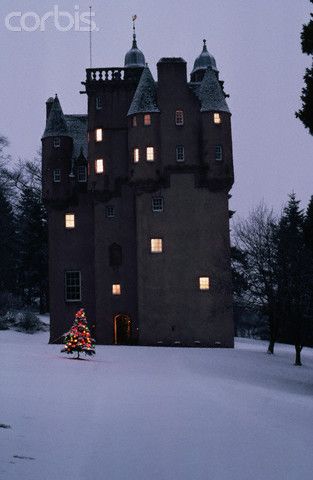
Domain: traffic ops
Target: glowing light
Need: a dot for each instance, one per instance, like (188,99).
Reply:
(69,220)
(156,245)
(99,165)
(99,135)
(136,155)
(150,154)
(204,283)
(116,289)
(147,119)
(217,118)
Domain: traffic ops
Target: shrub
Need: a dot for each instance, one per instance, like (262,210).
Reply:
(28,322)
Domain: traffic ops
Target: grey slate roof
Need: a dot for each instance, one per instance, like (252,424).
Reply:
(77,129)
(134,58)
(204,60)
(210,93)
(145,98)
(56,125)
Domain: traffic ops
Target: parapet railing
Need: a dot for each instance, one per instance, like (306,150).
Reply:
(105,74)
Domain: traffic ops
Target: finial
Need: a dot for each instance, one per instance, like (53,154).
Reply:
(134,18)
(204,45)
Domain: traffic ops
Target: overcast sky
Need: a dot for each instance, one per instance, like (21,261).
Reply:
(256,45)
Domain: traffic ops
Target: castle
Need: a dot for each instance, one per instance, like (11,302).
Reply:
(137,197)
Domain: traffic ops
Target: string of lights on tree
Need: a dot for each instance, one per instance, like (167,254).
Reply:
(78,339)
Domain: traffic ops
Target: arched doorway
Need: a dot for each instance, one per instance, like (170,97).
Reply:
(122,329)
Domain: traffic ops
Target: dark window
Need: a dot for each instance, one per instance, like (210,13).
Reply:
(57,175)
(110,211)
(218,153)
(157,204)
(115,255)
(180,153)
(98,103)
(57,142)
(179,117)
(82,173)
(135,121)
(73,286)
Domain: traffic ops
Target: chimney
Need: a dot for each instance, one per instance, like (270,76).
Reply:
(172,71)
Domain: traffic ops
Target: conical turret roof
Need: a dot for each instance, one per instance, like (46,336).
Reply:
(204,60)
(56,123)
(145,98)
(211,94)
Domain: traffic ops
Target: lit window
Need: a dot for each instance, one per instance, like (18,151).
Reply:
(116,289)
(57,142)
(157,204)
(179,117)
(150,154)
(156,245)
(218,153)
(217,118)
(134,121)
(204,283)
(69,220)
(82,173)
(99,165)
(98,103)
(109,211)
(180,153)
(136,155)
(99,135)
(147,119)
(73,286)
(56,175)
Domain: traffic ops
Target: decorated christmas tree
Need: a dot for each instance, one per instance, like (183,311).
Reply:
(78,339)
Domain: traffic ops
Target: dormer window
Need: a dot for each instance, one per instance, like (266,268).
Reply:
(150,154)
(134,121)
(136,155)
(218,153)
(147,119)
(57,142)
(99,165)
(179,117)
(98,103)
(99,135)
(57,175)
(217,118)
(82,173)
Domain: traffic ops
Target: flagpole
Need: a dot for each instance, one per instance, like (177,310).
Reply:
(90,38)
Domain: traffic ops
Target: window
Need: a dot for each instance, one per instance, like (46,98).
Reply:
(134,121)
(217,118)
(156,245)
(180,153)
(99,135)
(157,204)
(115,255)
(69,220)
(204,283)
(136,155)
(98,103)
(179,117)
(82,173)
(218,153)
(147,119)
(110,211)
(56,175)
(72,286)
(150,154)
(99,166)
(116,289)
(57,142)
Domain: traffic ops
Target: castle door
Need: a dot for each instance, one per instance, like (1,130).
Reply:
(122,326)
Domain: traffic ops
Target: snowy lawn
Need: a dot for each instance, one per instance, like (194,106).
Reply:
(154,413)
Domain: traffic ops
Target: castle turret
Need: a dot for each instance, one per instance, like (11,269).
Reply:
(216,132)
(144,125)
(57,147)
(202,62)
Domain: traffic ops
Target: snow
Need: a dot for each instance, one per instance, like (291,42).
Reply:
(154,413)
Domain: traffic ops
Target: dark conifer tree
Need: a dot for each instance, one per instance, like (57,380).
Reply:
(305,114)
(7,244)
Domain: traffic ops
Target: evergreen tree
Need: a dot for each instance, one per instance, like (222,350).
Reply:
(292,267)
(305,114)
(33,251)
(7,244)
(78,339)
(308,226)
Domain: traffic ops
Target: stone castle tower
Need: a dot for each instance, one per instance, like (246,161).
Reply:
(137,196)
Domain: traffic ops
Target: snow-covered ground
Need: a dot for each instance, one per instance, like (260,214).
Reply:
(154,413)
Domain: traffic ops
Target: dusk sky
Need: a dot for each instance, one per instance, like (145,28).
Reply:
(256,45)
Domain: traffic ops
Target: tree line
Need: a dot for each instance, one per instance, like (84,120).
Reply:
(272,261)
(23,235)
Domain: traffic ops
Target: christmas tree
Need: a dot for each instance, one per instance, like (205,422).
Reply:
(78,339)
